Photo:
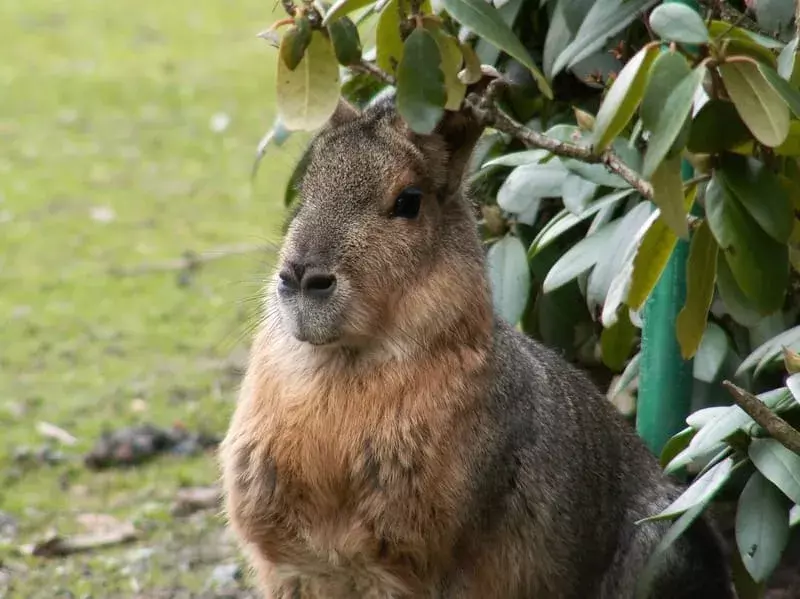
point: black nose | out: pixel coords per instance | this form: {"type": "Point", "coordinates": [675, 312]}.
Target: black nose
{"type": "Point", "coordinates": [310, 280]}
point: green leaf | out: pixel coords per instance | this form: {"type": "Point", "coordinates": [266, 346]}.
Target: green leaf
{"type": "Point", "coordinates": [653, 254]}
{"type": "Point", "coordinates": [294, 43]}
{"type": "Point", "coordinates": [343, 7]}
{"type": "Point", "coordinates": [772, 348]}
{"type": "Point", "coordinates": [510, 277]}
{"type": "Point", "coordinates": [518, 158]}
{"type": "Point", "coordinates": [596, 173]}
{"type": "Point", "coordinates": [622, 99]}
{"type": "Point", "coordinates": [784, 89]}
{"type": "Point", "coordinates": [617, 340]}
{"type": "Point", "coordinates": [741, 41]}
{"type": "Point", "coordinates": [677, 22]}
{"type": "Point", "coordinates": [676, 444]}
{"type": "Point", "coordinates": [791, 146]}
{"type": "Point", "coordinates": [733, 298]}
{"type": "Point", "coordinates": [714, 348]}
{"type": "Point", "coordinates": [717, 127]}
{"type": "Point", "coordinates": [604, 20]}
{"type": "Point", "coordinates": [668, 196]}
{"type": "Point", "coordinates": [389, 44]}
{"type": "Point", "coordinates": [671, 120]}
{"type": "Point", "coordinates": [793, 384]}
{"type": "Point", "coordinates": [421, 94]}
{"type": "Point", "coordinates": [701, 272]}
{"type": "Point", "coordinates": [530, 183]}
{"type": "Point", "coordinates": [794, 516]}
{"type": "Point", "coordinates": [787, 61]}
{"type": "Point", "coordinates": [762, 526]}
{"type": "Point", "coordinates": [655, 562]}
{"type": "Point", "coordinates": [484, 20]}
{"type": "Point", "coordinates": [307, 96]}
{"type": "Point", "coordinates": [577, 192]}
{"type": "Point", "coordinates": [580, 257]}
{"type": "Point", "coordinates": [668, 70]}
{"type": "Point", "coordinates": [700, 491]}
{"type": "Point", "coordinates": [760, 193]}
{"type": "Point", "coordinates": [780, 465]}
{"type": "Point", "coordinates": [760, 265]}
{"type": "Point", "coordinates": [565, 220]}
{"type": "Point", "coordinates": [626, 378]}
{"type": "Point", "coordinates": [761, 108]}
{"type": "Point", "coordinates": [452, 59]}
{"type": "Point", "coordinates": [346, 43]}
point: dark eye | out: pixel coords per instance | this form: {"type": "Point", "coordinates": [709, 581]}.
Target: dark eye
{"type": "Point", "coordinates": [406, 205]}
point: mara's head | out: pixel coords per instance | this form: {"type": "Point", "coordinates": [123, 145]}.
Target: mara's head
{"type": "Point", "coordinates": [383, 249]}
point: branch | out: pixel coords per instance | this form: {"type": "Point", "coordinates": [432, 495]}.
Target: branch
{"type": "Point", "coordinates": [490, 115]}
{"type": "Point", "coordinates": [776, 426]}
{"type": "Point", "coordinates": [370, 68]}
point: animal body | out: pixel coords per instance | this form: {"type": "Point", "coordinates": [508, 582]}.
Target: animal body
{"type": "Point", "coordinates": [395, 439]}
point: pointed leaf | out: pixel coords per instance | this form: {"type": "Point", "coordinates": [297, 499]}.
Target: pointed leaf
{"type": "Point", "coordinates": [701, 271]}
{"type": "Point", "coordinates": [710, 356]}
{"type": "Point", "coordinates": [510, 277]}
{"type": "Point", "coordinates": [616, 341]}
{"type": "Point", "coordinates": [389, 44]}
{"type": "Point", "coordinates": [577, 192]}
{"type": "Point", "coordinates": [677, 22]}
{"type": "Point", "coordinates": [345, 40]}
{"type": "Point", "coordinates": [671, 120]}
{"type": "Point", "coordinates": [772, 348]}
{"type": "Point", "coordinates": [780, 465]}
{"type": "Point", "coordinates": [668, 70]}
{"type": "Point", "coordinates": [604, 20]}
{"type": "Point", "coordinates": [580, 257]}
{"type": "Point", "coordinates": [483, 19]}
{"type": "Point", "coordinates": [622, 99]}
{"type": "Point", "coordinates": [530, 183]}
{"type": "Point", "coordinates": [308, 95]}
{"type": "Point", "coordinates": [788, 59]}
{"type": "Point", "coordinates": [343, 7]}
{"type": "Point", "coordinates": [793, 384]}
{"type": "Point", "coordinates": [518, 158]}
{"type": "Point", "coordinates": [762, 526]}
{"type": "Point", "coordinates": [736, 304]}
{"type": "Point", "coordinates": [452, 59]}
{"type": "Point", "coordinates": [759, 264]}
{"type": "Point", "coordinates": [761, 108]}
{"type": "Point", "coordinates": [717, 127]}
{"type": "Point", "coordinates": [668, 196]}
{"type": "Point", "coordinates": [421, 94]}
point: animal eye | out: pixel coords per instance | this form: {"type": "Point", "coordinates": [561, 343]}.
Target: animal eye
{"type": "Point", "coordinates": [406, 205]}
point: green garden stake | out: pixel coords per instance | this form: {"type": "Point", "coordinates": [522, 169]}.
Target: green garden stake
{"type": "Point", "coordinates": [665, 378]}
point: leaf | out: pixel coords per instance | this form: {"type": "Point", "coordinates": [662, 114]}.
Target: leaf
{"type": "Point", "coordinates": [668, 196]}
{"type": "Point", "coordinates": [714, 348]}
{"type": "Point", "coordinates": [509, 276]}
{"type": "Point", "coordinates": [717, 127]}
{"type": "Point", "coordinates": [294, 43]}
{"type": "Point", "coordinates": [565, 220]}
{"type": "Point", "coordinates": [671, 120]}
{"type": "Point", "coordinates": [596, 173]}
{"type": "Point", "coordinates": [702, 417]}
{"type": "Point", "coordinates": [580, 257]}
{"type": "Point", "coordinates": [655, 562]}
{"type": "Point", "coordinates": [761, 108]}
{"type": "Point", "coordinates": [484, 20]}
{"type": "Point", "coordinates": [518, 158]}
{"type": "Point", "coordinates": [699, 492]}
{"type": "Point", "coordinates": [760, 192]}
{"type": "Point", "coordinates": [452, 59]}
{"type": "Point", "coordinates": [622, 99]}
{"type": "Point", "coordinates": [794, 516]}
{"type": "Point", "coordinates": [787, 60]}
{"type": "Point", "coordinates": [791, 146]}
{"type": "Point", "coordinates": [741, 41]}
{"type": "Point", "coordinates": [668, 70]}
{"type": "Point", "coordinates": [616, 341]}
{"type": "Point", "coordinates": [345, 40]}
{"type": "Point", "coordinates": [307, 96]}
{"type": "Point", "coordinates": [472, 65]}
{"type": "Point", "coordinates": [626, 378]}
{"type": "Point", "coordinates": [604, 20]}
{"type": "Point", "coordinates": [677, 22]}
{"type": "Point", "coordinates": [771, 348]}
{"type": "Point", "coordinates": [736, 304]}
{"type": "Point", "coordinates": [778, 464]}
{"type": "Point", "coordinates": [343, 7]}
{"type": "Point", "coordinates": [677, 443]}
{"type": "Point", "coordinates": [791, 361]}
{"type": "Point", "coordinates": [577, 192]}
{"type": "Point", "coordinates": [784, 89]}
{"type": "Point", "coordinates": [759, 264]}
{"type": "Point", "coordinates": [389, 44]}
{"type": "Point", "coordinates": [762, 526]}
{"type": "Point", "coordinates": [530, 183]}
{"type": "Point", "coordinates": [700, 276]}
{"type": "Point", "coordinates": [421, 94]}
{"type": "Point", "coordinates": [653, 254]}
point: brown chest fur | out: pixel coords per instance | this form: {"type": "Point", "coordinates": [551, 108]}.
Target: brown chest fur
{"type": "Point", "coordinates": [351, 478]}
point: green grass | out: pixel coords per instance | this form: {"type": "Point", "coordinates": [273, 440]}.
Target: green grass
{"type": "Point", "coordinates": [107, 106]}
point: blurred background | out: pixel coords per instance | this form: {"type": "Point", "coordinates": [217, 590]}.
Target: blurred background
{"type": "Point", "coordinates": [132, 247]}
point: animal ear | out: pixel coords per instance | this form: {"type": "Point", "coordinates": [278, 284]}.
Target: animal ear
{"type": "Point", "coordinates": [344, 113]}
{"type": "Point", "coordinates": [460, 132]}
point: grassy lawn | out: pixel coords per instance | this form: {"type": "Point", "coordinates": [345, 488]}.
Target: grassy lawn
{"type": "Point", "coordinates": [127, 133]}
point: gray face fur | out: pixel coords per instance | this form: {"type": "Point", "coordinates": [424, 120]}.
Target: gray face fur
{"type": "Point", "coordinates": [348, 260]}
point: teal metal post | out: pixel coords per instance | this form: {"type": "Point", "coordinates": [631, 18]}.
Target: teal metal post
{"type": "Point", "coordinates": [665, 378]}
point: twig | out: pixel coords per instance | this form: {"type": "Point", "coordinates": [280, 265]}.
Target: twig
{"type": "Point", "coordinates": [776, 426]}
{"type": "Point", "coordinates": [492, 117]}
{"type": "Point", "coordinates": [370, 68]}
{"type": "Point", "coordinates": [190, 260]}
